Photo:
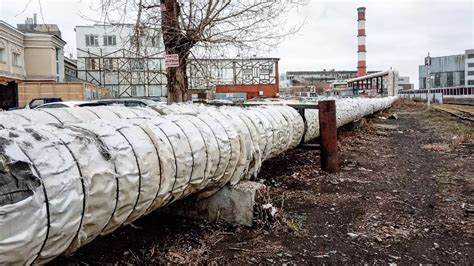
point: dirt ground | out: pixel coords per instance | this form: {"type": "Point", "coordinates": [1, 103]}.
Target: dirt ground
{"type": "Point", "coordinates": [405, 194]}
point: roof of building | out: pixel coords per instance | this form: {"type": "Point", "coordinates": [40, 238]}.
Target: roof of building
{"type": "Point", "coordinates": [70, 60]}
{"type": "Point", "coordinates": [324, 71]}
{"type": "Point", "coordinates": [10, 27]}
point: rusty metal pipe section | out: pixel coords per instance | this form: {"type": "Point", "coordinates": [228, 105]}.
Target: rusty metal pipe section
{"type": "Point", "coordinates": [328, 136]}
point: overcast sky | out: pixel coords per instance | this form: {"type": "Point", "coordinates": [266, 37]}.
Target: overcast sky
{"type": "Point", "coordinates": [399, 32]}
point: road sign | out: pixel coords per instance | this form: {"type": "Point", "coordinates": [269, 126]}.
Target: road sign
{"type": "Point", "coordinates": [171, 60]}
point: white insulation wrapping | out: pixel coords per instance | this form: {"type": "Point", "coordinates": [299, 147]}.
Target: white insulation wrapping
{"type": "Point", "coordinates": [69, 175]}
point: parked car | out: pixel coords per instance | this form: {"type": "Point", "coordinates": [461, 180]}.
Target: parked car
{"type": "Point", "coordinates": [263, 99]}
{"type": "Point", "coordinates": [68, 104]}
{"type": "Point", "coordinates": [40, 101]}
{"type": "Point", "coordinates": [158, 99]}
{"type": "Point", "coordinates": [129, 102]}
{"type": "Point", "coordinates": [220, 102]}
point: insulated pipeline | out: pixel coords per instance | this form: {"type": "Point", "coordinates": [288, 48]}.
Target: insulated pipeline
{"type": "Point", "coordinates": [68, 176]}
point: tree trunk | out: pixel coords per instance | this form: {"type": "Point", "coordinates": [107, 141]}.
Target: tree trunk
{"type": "Point", "coordinates": [177, 82]}
{"type": "Point", "coordinates": [175, 43]}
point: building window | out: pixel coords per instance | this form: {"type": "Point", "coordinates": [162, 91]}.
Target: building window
{"type": "Point", "coordinates": [91, 63]}
{"type": "Point", "coordinates": [422, 83]}
{"type": "Point", "coordinates": [138, 64]}
{"type": "Point", "coordinates": [470, 82]}
{"type": "Point", "coordinates": [16, 60]}
{"type": "Point", "coordinates": [70, 72]}
{"type": "Point", "coordinates": [470, 64]}
{"type": "Point", "coordinates": [450, 79]}
{"type": "Point", "coordinates": [133, 90]}
{"type": "Point", "coordinates": [110, 40]}
{"type": "Point", "coordinates": [470, 55]}
{"type": "Point", "coordinates": [470, 73]}
{"type": "Point", "coordinates": [92, 40]}
{"type": "Point", "coordinates": [2, 52]}
{"type": "Point", "coordinates": [58, 55]}
{"type": "Point", "coordinates": [461, 77]}
{"type": "Point", "coordinates": [437, 80]}
{"type": "Point", "coordinates": [108, 64]}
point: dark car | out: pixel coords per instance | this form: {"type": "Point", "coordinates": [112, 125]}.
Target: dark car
{"type": "Point", "coordinates": [159, 99]}
{"type": "Point", "coordinates": [40, 101]}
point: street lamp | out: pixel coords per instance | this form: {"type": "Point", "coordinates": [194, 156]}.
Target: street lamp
{"type": "Point", "coordinates": [428, 78]}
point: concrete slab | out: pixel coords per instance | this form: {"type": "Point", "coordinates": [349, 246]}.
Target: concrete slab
{"type": "Point", "coordinates": [234, 204]}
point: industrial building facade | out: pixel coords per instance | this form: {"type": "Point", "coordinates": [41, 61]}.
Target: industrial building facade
{"type": "Point", "coordinates": [327, 76]}
{"type": "Point", "coordinates": [250, 76]}
{"type": "Point", "coordinates": [115, 57]}
{"type": "Point", "coordinates": [449, 71]}
{"type": "Point", "coordinates": [469, 58]}
{"type": "Point", "coordinates": [128, 62]}
{"type": "Point", "coordinates": [404, 84]}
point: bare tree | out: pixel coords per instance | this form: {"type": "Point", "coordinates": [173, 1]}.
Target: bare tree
{"type": "Point", "coordinates": [207, 26]}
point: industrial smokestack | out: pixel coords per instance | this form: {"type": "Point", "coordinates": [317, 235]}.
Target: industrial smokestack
{"type": "Point", "coordinates": [361, 51]}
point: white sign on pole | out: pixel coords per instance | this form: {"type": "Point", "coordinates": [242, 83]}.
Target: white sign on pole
{"type": "Point", "coordinates": [171, 60]}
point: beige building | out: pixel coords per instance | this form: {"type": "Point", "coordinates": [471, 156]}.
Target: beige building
{"type": "Point", "coordinates": [11, 53]}
{"type": "Point", "coordinates": [34, 54]}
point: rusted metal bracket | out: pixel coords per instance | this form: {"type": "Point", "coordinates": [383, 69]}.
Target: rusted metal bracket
{"type": "Point", "coordinates": [327, 132]}
{"type": "Point", "coordinates": [328, 135]}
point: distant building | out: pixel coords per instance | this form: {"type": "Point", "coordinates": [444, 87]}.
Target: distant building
{"type": "Point", "coordinates": [449, 71]}
{"type": "Point", "coordinates": [132, 64]}
{"type": "Point", "coordinates": [70, 69]}
{"type": "Point", "coordinates": [32, 65]}
{"type": "Point", "coordinates": [128, 61]}
{"type": "Point", "coordinates": [327, 76]}
{"type": "Point", "coordinates": [253, 76]}
{"type": "Point", "coordinates": [312, 83]}
{"type": "Point", "coordinates": [469, 79]}
{"type": "Point", "coordinates": [381, 83]}
{"type": "Point", "coordinates": [31, 26]}
{"type": "Point", "coordinates": [26, 56]}
{"type": "Point", "coordinates": [404, 84]}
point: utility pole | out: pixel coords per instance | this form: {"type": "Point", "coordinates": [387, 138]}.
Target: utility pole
{"type": "Point", "coordinates": [428, 78]}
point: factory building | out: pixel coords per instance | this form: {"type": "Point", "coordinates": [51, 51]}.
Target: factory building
{"type": "Point", "coordinates": [306, 78]}
{"type": "Point", "coordinates": [132, 63]}
{"type": "Point", "coordinates": [449, 71]}
{"type": "Point", "coordinates": [404, 84]}
{"type": "Point", "coordinates": [469, 60]}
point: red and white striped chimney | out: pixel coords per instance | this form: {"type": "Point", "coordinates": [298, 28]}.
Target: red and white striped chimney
{"type": "Point", "coordinates": [361, 51]}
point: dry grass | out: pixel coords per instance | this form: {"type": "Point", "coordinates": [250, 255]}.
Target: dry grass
{"type": "Point", "coordinates": [463, 132]}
